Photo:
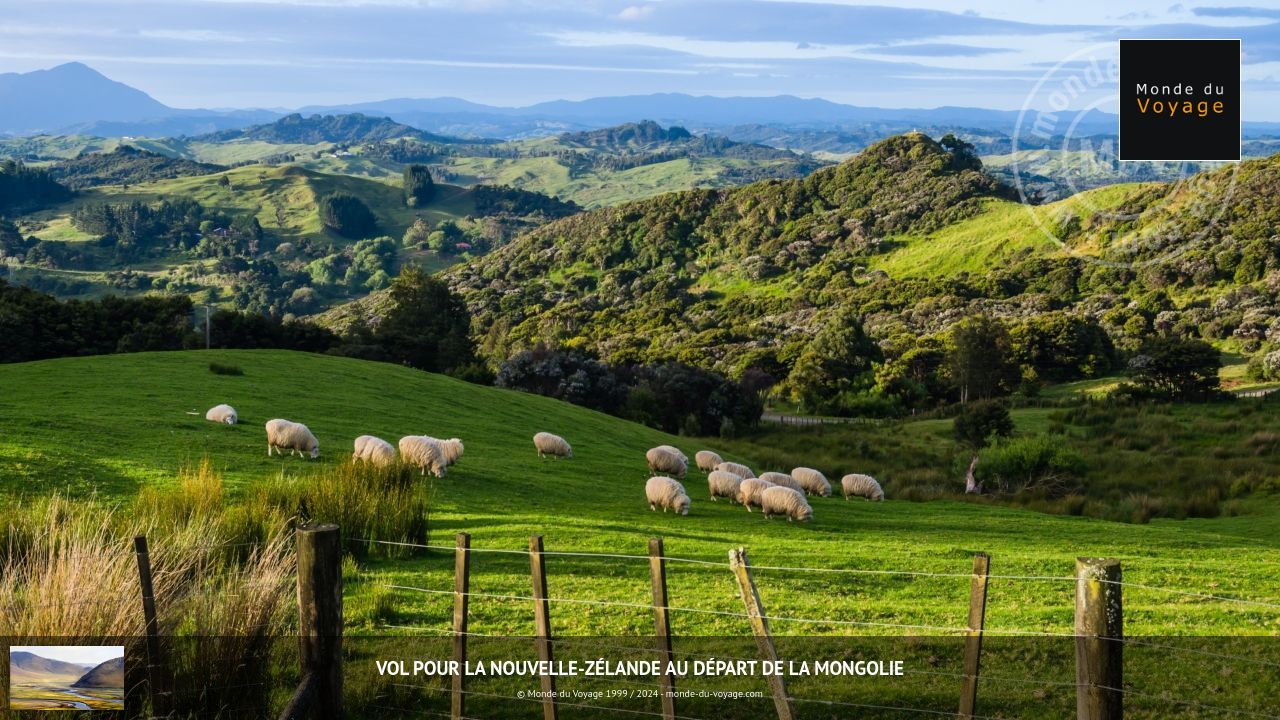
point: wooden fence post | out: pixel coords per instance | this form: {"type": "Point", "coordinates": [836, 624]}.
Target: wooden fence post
{"type": "Point", "coordinates": [1099, 640]}
{"type": "Point", "coordinates": [461, 588]}
{"type": "Point", "coordinates": [542, 626]}
{"type": "Point", "coordinates": [320, 616]}
{"type": "Point", "coordinates": [155, 662]}
{"type": "Point", "coordinates": [760, 627]}
{"type": "Point", "coordinates": [973, 635]}
{"type": "Point", "coordinates": [662, 626]}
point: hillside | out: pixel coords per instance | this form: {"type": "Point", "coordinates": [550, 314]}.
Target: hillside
{"type": "Point", "coordinates": [906, 236]}
{"type": "Point", "coordinates": [29, 667]}
{"type": "Point", "coordinates": [349, 128]}
{"type": "Point", "coordinates": [126, 165]}
{"type": "Point", "coordinates": [502, 493]}
{"type": "Point", "coordinates": [109, 674]}
{"type": "Point", "coordinates": [68, 94]}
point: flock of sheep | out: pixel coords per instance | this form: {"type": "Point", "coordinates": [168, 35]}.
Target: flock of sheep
{"type": "Point", "coordinates": [775, 493]}
{"type": "Point", "coordinates": [426, 453]}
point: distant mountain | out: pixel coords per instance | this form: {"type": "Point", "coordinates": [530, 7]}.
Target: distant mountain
{"type": "Point", "coordinates": [184, 123]}
{"type": "Point", "coordinates": [67, 95]}
{"type": "Point", "coordinates": [109, 674]}
{"type": "Point", "coordinates": [126, 165]}
{"type": "Point", "coordinates": [348, 128]}
{"type": "Point", "coordinates": [25, 666]}
{"type": "Point", "coordinates": [628, 135]}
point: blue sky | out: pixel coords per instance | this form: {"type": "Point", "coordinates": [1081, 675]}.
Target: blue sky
{"type": "Point", "coordinates": [78, 654]}
{"type": "Point", "coordinates": [909, 53]}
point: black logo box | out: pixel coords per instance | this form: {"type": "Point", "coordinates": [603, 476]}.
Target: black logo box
{"type": "Point", "coordinates": [1180, 65]}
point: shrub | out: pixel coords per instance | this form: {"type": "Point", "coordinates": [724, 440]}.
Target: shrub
{"type": "Point", "coordinates": [220, 369]}
{"type": "Point", "coordinates": [1033, 463]}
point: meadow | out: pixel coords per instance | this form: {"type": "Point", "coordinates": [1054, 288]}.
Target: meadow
{"type": "Point", "coordinates": [124, 436]}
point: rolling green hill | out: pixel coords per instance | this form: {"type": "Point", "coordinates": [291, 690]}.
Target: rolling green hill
{"type": "Point", "coordinates": [107, 426]}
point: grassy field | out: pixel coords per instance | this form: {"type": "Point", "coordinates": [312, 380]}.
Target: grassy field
{"type": "Point", "coordinates": [105, 427]}
{"type": "Point", "coordinates": [109, 431]}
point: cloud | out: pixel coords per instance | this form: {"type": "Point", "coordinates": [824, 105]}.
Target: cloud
{"type": "Point", "coordinates": [1238, 11]}
{"type": "Point", "coordinates": [635, 12]}
{"type": "Point", "coordinates": [937, 50]}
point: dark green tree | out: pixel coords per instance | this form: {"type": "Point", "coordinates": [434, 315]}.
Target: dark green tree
{"type": "Point", "coordinates": [980, 359]}
{"type": "Point", "coordinates": [418, 186]}
{"type": "Point", "coordinates": [1174, 368]}
{"type": "Point", "coordinates": [427, 326]}
{"type": "Point", "coordinates": [974, 427]}
{"type": "Point", "coordinates": [838, 355]}
{"type": "Point", "coordinates": [347, 215]}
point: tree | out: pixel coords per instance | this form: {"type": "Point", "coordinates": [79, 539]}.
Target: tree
{"type": "Point", "coordinates": [427, 326]}
{"type": "Point", "coordinates": [1174, 368]}
{"type": "Point", "coordinates": [347, 215]}
{"type": "Point", "coordinates": [974, 427]}
{"type": "Point", "coordinates": [418, 186]}
{"type": "Point", "coordinates": [980, 358]}
{"type": "Point", "coordinates": [839, 353]}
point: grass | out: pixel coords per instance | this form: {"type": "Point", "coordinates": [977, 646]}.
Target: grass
{"type": "Point", "coordinates": [143, 454]}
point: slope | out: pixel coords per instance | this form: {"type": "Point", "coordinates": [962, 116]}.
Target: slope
{"type": "Point", "coordinates": [108, 674]}
{"type": "Point", "coordinates": [110, 424]}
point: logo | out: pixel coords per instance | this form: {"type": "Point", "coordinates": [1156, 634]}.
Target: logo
{"type": "Point", "coordinates": [1180, 100]}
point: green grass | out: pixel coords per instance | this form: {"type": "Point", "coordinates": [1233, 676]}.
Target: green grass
{"type": "Point", "coordinates": [107, 426]}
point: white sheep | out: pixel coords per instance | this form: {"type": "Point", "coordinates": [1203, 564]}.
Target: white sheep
{"type": "Point", "coordinates": [723, 484]}
{"type": "Point", "coordinates": [452, 450]}
{"type": "Point", "coordinates": [295, 437]}
{"type": "Point", "coordinates": [666, 459]}
{"type": "Point", "coordinates": [424, 453]}
{"type": "Point", "coordinates": [749, 491]}
{"type": "Point", "coordinates": [863, 486]}
{"type": "Point", "coordinates": [222, 414]}
{"type": "Point", "coordinates": [783, 479]}
{"type": "Point", "coordinates": [738, 469]}
{"type": "Point", "coordinates": [552, 445]}
{"type": "Point", "coordinates": [666, 493]}
{"type": "Point", "coordinates": [707, 460]}
{"type": "Point", "coordinates": [813, 482]}
{"type": "Point", "coordinates": [373, 450]}
{"type": "Point", "coordinates": [785, 501]}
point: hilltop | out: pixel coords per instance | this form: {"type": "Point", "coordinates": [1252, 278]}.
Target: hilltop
{"type": "Point", "coordinates": [349, 128]}
{"type": "Point", "coordinates": [109, 674]}
{"type": "Point", "coordinates": [126, 165]}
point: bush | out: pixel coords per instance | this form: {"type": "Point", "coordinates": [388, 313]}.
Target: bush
{"type": "Point", "coordinates": [220, 369]}
{"type": "Point", "coordinates": [1035, 463]}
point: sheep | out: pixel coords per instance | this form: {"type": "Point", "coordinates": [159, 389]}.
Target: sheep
{"type": "Point", "coordinates": [222, 414]}
{"type": "Point", "coordinates": [723, 484]}
{"type": "Point", "coordinates": [785, 501]}
{"type": "Point", "coordinates": [663, 459]}
{"type": "Point", "coordinates": [749, 491]}
{"type": "Point", "coordinates": [552, 445]}
{"type": "Point", "coordinates": [424, 453]}
{"type": "Point", "coordinates": [707, 460]}
{"type": "Point", "coordinates": [295, 437]}
{"type": "Point", "coordinates": [863, 486]}
{"type": "Point", "coordinates": [373, 450]}
{"type": "Point", "coordinates": [666, 493]}
{"type": "Point", "coordinates": [783, 479]}
{"type": "Point", "coordinates": [738, 469]}
{"type": "Point", "coordinates": [452, 450]}
{"type": "Point", "coordinates": [813, 482]}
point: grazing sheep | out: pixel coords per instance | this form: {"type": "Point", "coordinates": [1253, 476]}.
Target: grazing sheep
{"type": "Point", "coordinates": [785, 501]}
{"type": "Point", "coordinates": [222, 414]}
{"type": "Point", "coordinates": [863, 486]}
{"type": "Point", "coordinates": [662, 459]}
{"type": "Point", "coordinates": [813, 482]}
{"type": "Point", "coordinates": [723, 484]}
{"type": "Point", "coordinates": [424, 453]}
{"type": "Point", "coordinates": [738, 469]}
{"type": "Point", "coordinates": [707, 460]}
{"type": "Point", "coordinates": [749, 491]}
{"type": "Point", "coordinates": [783, 479]}
{"type": "Point", "coordinates": [373, 450]}
{"type": "Point", "coordinates": [668, 494]}
{"type": "Point", "coordinates": [552, 445]}
{"type": "Point", "coordinates": [452, 450]}
{"type": "Point", "coordinates": [295, 437]}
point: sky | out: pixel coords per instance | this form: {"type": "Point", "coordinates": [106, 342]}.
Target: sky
{"type": "Point", "coordinates": [900, 53]}
{"type": "Point", "coordinates": [77, 654]}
